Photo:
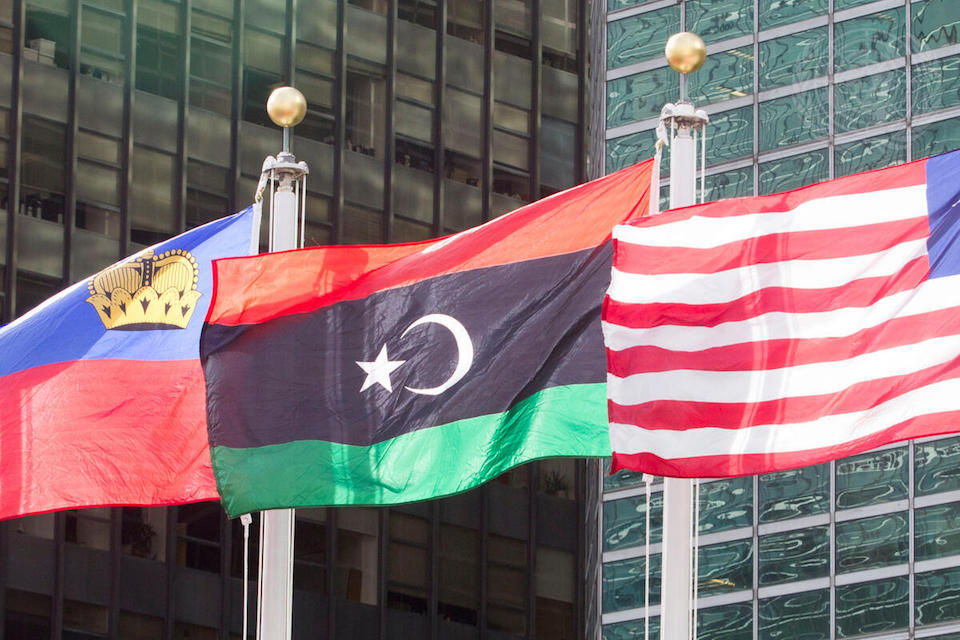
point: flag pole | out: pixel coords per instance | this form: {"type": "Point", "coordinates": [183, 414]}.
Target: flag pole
{"type": "Point", "coordinates": [680, 124]}
{"type": "Point", "coordinates": [287, 180]}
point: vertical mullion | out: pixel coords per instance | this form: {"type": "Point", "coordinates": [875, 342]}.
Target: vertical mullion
{"type": "Point", "coordinates": [126, 167]}
{"type": "Point", "coordinates": [439, 141]}
{"type": "Point", "coordinates": [59, 555]}
{"type": "Point", "coordinates": [580, 567]}
{"type": "Point", "coordinates": [433, 553]}
{"type": "Point", "coordinates": [583, 41]}
{"type": "Point", "coordinates": [331, 560]}
{"type": "Point", "coordinates": [70, 198]}
{"type": "Point", "coordinates": [383, 549]}
{"type": "Point", "coordinates": [340, 117]}
{"type": "Point", "coordinates": [116, 559]}
{"type": "Point", "coordinates": [533, 482]}
{"type": "Point", "coordinates": [236, 107]}
{"type": "Point", "coordinates": [390, 150]}
{"type": "Point", "coordinates": [830, 92]}
{"type": "Point", "coordinates": [911, 525]}
{"type": "Point", "coordinates": [226, 555]}
{"type": "Point", "coordinates": [170, 588]}
{"type": "Point", "coordinates": [489, 42]}
{"type": "Point", "coordinates": [13, 162]}
{"type": "Point", "coordinates": [833, 533]}
{"type": "Point", "coordinates": [536, 97]}
{"type": "Point", "coordinates": [755, 106]}
{"type": "Point", "coordinates": [593, 558]}
{"type": "Point", "coordinates": [183, 110]}
{"type": "Point", "coordinates": [482, 539]}
{"type": "Point", "coordinates": [908, 79]}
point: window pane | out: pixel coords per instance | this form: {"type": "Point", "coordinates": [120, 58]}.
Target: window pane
{"type": "Point", "coordinates": [640, 37]}
{"type": "Point", "coordinates": [623, 583]}
{"type": "Point", "coordinates": [631, 629]}
{"type": "Point", "coordinates": [937, 531]}
{"type": "Point", "coordinates": [937, 463]}
{"type": "Point", "coordinates": [871, 100]}
{"type": "Point", "coordinates": [98, 183]}
{"type": "Point", "coordinates": [872, 153]}
{"type": "Point", "coordinates": [872, 542]}
{"type": "Point", "coordinates": [622, 479]}
{"type": "Point", "coordinates": [799, 616]}
{"type": "Point", "coordinates": [627, 150]}
{"type": "Point", "coordinates": [871, 478]}
{"type": "Point", "coordinates": [152, 193]}
{"type": "Point", "coordinates": [729, 622]}
{"type": "Point", "coordinates": [724, 567]}
{"type": "Point", "coordinates": [724, 76]}
{"type": "Point", "coordinates": [936, 84]}
{"type": "Point", "coordinates": [790, 173]}
{"type": "Point", "coordinates": [726, 504]}
{"type": "Point", "coordinates": [794, 555]}
{"type": "Point", "coordinates": [729, 136]}
{"type": "Point", "coordinates": [716, 20]}
{"type": "Point", "coordinates": [793, 494]}
{"type": "Point", "coordinates": [793, 58]}
{"type": "Point", "coordinates": [933, 24]}
{"type": "Point", "coordinates": [623, 521]}
{"type": "Point", "coordinates": [868, 39]}
{"type": "Point", "coordinates": [640, 96]}
{"type": "Point", "coordinates": [937, 596]}
{"type": "Point", "coordinates": [872, 607]}
{"type": "Point", "coordinates": [793, 119]}
{"type": "Point", "coordinates": [773, 13]}
{"type": "Point", "coordinates": [730, 184]}
{"type": "Point", "coordinates": [158, 48]}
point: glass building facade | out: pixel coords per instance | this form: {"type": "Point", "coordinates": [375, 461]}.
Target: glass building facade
{"type": "Point", "coordinates": [798, 91]}
{"type": "Point", "coordinates": [124, 122]}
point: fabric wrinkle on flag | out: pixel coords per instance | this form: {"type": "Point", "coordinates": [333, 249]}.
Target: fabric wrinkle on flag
{"type": "Point", "coordinates": [757, 334]}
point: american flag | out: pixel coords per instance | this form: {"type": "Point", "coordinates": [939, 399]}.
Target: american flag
{"type": "Point", "coordinates": [759, 334]}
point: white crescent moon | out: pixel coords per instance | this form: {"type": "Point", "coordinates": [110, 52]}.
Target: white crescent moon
{"type": "Point", "coordinates": [464, 351]}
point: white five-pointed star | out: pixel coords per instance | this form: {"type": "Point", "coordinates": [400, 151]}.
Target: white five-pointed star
{"type": "Point", "coordinates": [378, 371]}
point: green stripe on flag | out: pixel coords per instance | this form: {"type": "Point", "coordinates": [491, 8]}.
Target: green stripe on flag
{"type": "Point", "coordinates": [427, 463]}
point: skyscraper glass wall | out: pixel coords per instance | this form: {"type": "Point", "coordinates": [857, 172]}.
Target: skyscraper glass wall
{"type": "Point", "coordinates": [798, 91]}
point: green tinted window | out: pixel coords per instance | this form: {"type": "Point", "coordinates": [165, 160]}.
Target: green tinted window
{"type": "Point", "coordinates": [640, 96]}
{"type": "Point", "coordinates": [624, 478]}
{"type": "Point", "coordinates": [613, 5]}
{"type": "Point", "coordinates": [937, 596]}
{"type": "Point", "coordinates": [871, 478]}
{"type": "Point", "coordinates": [625, 151]}
{"type": "Point", "coordinates": [729, 622]}
{"type": "Point", "coordinates": [640, 37]}
{"type": "Point", "coordinates": [723, 76]}
{"type": "Point", "coordinates": [726, 504]}
{"type": "Point", "coordinates": [790, 173]}
{"type": "Point", "coordinates": [872, 153]}
{"type": "Point", "coordinates": [872, 607]}
{"type": "Point", "coordinates": [879, 541]}
{"type": "Point", "coordinates": [937, 531]}
{"type": "Point", "coordinates": [715, 20]}
{"type": "Point", "coordinates": [774, 13]}
{"type": "Point", "coordinates": [937, 463]}
{"type": "Point", "coordinates": [623, 583]}
{"type": "Point", "coordinates": [729, 184]}
{"type": "Point", "coordinates": [936, 84]}
{"type": "Point", "coordinates": [935, 138]}
{"type": "Point", "coordinates": [871, 100]}
{"type": "Point", "coordinates": [794, 555]}
{"type": "Point", "coordinates": [624, 521]}
{"type": "Point", "coordinates": [798, 616]}
{"type": "Point", "coordinates": [839, 5]}
{"type": "Point", "coordinates": [868, 39]}
{"type": "Point", "coordinates": [794, 58]}
{"type": "Point", "coordinates": [631, 630]}
{"type": "Point", "coordinates": [727, 566]}
{"type": "Point", "coordinates": [793, 119]}
{"type": "Point", "coordinates": [729, 135]}
{"type": "Point", "coordinates": [794, 493]}
{"type": "Point", "coordinates": [934, 24]}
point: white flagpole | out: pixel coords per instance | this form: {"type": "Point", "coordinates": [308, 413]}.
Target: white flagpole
{"type": "Point", "coordinates": [685, 52]}
{"type": "Point", "coordinates": [286, 178]}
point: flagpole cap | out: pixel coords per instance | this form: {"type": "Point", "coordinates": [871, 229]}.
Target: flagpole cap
{"type": "Point", "coordinates": [685, 52]}
{"type": "Point", "coordinates": [286, 106]}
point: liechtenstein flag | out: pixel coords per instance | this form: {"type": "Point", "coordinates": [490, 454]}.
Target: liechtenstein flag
{"type": "Point", "coordinates": [101, 389]}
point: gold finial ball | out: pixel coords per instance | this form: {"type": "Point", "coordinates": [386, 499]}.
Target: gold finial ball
{"type": "Point", "coordinates": [286, 106]}
{"type": "Point", "coordinates": [685, 52]}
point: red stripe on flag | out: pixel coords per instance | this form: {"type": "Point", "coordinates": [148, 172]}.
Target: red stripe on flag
{"type": "Point", "coordinates": [685, 415]}
{"type": "Point", "coordinates": [859, 293]}
{"type": "Point", "coordinates": [797, 245]}
{"type": "Point", "coordinates": [259, 288]}
{"type": "Point", "coordinates": [724, 466]}
{"type": "Point", "coordinates": [101, 433]}
{"type": "Point", "coordinates": [775, 354]}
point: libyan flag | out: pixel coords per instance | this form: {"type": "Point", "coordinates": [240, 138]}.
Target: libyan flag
{"type": "Point", "coordinates": [371, 375]}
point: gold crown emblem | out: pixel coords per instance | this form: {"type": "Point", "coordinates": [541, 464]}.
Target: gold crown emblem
{"type": "Point", "coordinates": [148, 292]}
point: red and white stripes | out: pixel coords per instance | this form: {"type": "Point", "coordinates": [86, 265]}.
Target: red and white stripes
{"type": "Point", "coordinates": [766, 333]}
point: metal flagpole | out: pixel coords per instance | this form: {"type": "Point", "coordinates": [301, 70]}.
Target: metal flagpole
{"type": "Point", "coordinates": [685, 52]}
{"type": "Point", "coordinates": [287, 181]}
